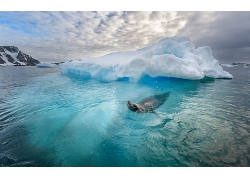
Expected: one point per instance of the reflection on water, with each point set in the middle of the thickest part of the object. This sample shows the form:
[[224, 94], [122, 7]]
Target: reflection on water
[[49, 119]]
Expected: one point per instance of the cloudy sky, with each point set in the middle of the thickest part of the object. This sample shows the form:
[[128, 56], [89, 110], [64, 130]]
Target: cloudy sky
[[54, 36]]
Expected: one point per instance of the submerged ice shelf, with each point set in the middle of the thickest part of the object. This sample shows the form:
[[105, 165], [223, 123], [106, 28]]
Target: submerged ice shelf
[[170, 57], [53, 119]]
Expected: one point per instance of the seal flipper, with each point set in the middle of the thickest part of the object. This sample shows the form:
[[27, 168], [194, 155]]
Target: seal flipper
[[156, 114]]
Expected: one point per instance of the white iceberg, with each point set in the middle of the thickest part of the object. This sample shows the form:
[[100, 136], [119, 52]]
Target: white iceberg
[[46, 65], [170, 57], [227, 65]]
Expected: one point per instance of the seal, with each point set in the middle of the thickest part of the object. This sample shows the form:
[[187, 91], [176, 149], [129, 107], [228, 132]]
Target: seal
[[149, 104]]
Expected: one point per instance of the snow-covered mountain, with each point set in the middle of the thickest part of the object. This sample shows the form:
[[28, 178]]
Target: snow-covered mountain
[[11, 55]]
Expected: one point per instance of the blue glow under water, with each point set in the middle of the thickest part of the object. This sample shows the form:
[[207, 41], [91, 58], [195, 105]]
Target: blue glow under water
[[51, 119]]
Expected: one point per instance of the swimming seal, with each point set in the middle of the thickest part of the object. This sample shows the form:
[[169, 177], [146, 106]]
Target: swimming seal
[[149, 104]]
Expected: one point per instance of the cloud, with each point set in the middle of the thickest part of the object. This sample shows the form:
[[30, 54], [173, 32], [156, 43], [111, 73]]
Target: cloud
[[59, 36], [67, 35], [226, 32]]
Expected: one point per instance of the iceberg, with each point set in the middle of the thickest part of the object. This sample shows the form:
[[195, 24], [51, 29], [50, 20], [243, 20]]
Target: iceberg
[[46, 65], [170, 57], [228, 65]]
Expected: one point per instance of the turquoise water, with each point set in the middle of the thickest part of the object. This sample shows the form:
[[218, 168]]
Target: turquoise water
[[51, 119]]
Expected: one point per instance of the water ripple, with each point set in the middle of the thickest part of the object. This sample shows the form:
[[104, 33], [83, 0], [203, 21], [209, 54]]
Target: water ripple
[[56, 120]]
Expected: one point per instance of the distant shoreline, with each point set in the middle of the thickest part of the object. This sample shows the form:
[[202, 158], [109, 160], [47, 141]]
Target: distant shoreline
[[243, 64], [236, 64], [1, 65], [57, 63]]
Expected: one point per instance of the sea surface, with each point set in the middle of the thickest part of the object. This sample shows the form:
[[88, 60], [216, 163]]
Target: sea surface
[[52, 119]]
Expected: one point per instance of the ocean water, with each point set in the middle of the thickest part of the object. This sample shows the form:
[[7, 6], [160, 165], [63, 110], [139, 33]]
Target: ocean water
[[51, 119]]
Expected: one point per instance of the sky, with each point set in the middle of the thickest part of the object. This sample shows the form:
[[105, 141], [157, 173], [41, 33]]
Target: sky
[[56, 36], [53, 32]]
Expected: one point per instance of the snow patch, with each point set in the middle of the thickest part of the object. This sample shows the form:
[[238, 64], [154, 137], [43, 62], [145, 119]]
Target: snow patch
[[7, 63], [14, 56]]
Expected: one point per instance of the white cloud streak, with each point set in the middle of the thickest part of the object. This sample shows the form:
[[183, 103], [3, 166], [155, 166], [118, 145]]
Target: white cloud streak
[[59, 36]]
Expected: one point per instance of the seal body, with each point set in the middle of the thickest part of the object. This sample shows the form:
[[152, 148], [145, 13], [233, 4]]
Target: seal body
[[148, 104]]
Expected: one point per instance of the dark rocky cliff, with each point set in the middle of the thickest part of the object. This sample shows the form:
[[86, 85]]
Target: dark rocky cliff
[[11, 55]]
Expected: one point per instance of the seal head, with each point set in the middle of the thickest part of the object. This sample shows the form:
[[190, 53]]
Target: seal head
[[132, 106]]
